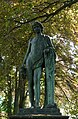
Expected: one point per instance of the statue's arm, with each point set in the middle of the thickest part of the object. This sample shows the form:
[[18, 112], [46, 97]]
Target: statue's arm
[[27, 52], [50, 45], [23, 68]]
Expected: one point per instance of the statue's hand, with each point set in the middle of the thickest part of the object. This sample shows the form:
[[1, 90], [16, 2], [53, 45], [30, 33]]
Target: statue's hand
[[46, 50], [23, 72]]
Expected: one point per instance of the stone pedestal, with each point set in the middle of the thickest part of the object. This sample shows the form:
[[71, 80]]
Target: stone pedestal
[[48, 110], [38, 117], [37, 113]]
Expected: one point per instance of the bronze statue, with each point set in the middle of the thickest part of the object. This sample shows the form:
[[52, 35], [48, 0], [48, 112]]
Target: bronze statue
[[40, 54]]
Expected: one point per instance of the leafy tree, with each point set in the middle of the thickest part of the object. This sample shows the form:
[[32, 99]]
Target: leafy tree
[[60, 21]]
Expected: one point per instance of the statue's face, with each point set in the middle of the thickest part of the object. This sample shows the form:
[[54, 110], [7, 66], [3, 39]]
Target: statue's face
[[37, 29]]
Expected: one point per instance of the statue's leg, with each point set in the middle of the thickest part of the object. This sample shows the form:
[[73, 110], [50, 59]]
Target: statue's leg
[[31, 86], [37, 76], [30, 82]]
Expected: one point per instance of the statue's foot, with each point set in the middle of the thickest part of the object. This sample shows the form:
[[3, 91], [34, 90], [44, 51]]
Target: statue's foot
[[37, 105], [51, 105], [32, 107]]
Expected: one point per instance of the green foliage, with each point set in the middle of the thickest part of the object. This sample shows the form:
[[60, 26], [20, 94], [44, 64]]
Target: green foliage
[[61, 23]]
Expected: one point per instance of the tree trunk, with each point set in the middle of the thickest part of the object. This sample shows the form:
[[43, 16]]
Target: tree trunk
[[16, 100], [9, 102]]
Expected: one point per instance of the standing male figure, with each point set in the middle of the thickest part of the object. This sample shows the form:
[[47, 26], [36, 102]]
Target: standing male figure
[[34, 61]]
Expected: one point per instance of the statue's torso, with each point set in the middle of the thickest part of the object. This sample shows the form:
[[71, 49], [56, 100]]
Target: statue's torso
[[37, 47]]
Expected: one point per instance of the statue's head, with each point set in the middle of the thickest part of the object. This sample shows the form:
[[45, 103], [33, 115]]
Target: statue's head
[[37, 24]]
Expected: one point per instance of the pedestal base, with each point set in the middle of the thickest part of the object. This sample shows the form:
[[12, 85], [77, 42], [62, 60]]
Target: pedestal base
[[38, 111], [38, 117], [50, 112]]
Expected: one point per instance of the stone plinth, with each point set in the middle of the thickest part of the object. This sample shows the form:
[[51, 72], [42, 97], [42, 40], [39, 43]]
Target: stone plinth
[[38, 117], [37, 113], [49, 110]]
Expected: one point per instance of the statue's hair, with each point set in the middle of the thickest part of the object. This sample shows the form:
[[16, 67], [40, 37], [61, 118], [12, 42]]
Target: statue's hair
[[37, 24]]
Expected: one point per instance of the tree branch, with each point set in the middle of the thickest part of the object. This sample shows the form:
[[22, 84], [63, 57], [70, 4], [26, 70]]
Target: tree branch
[[63, 91], [66, 4], [45, 16], [47, 6]]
